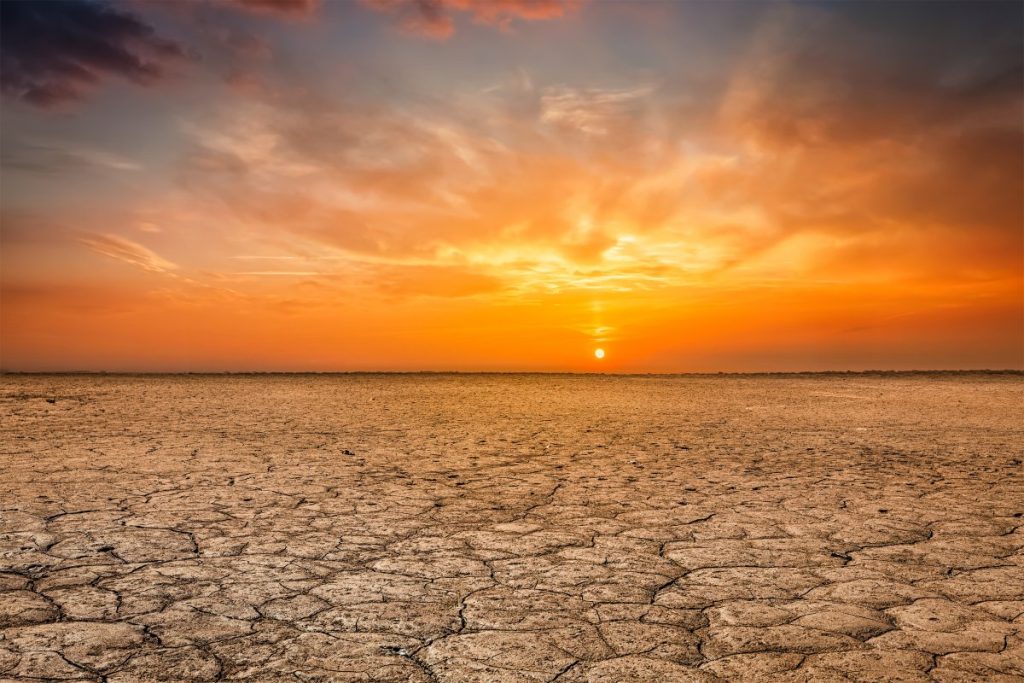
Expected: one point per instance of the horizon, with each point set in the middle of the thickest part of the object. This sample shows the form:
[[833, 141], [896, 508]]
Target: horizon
[[524, 186], [554, 373]]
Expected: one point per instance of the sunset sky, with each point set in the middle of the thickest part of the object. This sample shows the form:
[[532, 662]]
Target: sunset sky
[[511, 185]]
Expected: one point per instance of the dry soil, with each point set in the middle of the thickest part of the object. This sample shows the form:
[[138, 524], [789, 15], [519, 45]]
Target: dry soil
[[512, 528]]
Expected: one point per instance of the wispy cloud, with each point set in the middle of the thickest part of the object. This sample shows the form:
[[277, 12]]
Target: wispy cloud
[[56, 156], [620, 189], [592, 111], [126, 251]]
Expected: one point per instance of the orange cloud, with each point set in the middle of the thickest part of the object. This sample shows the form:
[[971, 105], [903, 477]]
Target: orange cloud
[[434, 18], [545, 200]]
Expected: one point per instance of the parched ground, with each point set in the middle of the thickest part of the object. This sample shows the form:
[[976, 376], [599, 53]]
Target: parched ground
[[512, 528]]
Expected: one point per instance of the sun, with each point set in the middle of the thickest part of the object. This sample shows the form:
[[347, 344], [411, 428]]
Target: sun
[[599, 353]]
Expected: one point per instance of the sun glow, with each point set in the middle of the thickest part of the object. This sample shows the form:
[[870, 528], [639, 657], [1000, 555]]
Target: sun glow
[[599, 353]]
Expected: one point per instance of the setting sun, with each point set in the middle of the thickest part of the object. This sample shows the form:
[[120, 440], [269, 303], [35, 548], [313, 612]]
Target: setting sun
[[599, 354]]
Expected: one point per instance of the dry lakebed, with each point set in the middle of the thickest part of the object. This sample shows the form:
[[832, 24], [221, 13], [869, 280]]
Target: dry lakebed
[[512, 528]]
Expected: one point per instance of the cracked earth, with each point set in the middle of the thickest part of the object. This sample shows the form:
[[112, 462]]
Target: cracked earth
[[512, 528]]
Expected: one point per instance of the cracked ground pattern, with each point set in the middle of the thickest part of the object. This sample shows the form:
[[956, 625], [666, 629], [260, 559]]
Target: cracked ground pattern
[[512, 528]]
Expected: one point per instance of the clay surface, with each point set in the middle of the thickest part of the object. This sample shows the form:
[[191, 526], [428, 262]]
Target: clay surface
[[512, 528]]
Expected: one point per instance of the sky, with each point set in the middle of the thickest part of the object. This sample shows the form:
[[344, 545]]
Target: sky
[[511, 185]]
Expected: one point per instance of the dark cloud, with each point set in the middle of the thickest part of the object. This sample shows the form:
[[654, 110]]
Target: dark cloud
[[868, 121], [56, 51], [864, 72]]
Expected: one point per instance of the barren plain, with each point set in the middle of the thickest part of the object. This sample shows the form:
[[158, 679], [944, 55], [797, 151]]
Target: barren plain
[[512, 528]]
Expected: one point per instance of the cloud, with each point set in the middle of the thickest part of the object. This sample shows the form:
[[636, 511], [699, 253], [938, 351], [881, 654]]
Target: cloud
[[61, 157], [419, 189], [435, 18], [782, 171], [286, 9], [592, 111], [919, 136], [814, 77], [56, 51], [125, 250]]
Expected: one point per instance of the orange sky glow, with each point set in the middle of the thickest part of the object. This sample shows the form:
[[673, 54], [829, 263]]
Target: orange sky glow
[[511, 185]]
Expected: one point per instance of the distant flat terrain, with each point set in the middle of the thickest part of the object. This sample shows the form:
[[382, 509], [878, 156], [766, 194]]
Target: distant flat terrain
[[512, 528]]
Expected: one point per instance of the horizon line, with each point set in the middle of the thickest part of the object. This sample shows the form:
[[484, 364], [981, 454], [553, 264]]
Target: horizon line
[[708, 373]]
